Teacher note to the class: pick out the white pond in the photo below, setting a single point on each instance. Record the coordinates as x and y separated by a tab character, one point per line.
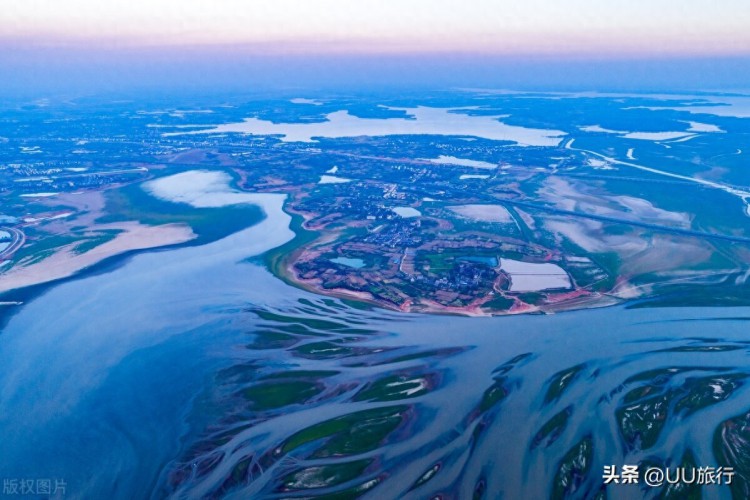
407	212
210	189
332	179
421	121
644	136
302	100
655	136
598	129
349	262
738	107
461	162
38	195
472	176
530	277
598	164
704	127
484	213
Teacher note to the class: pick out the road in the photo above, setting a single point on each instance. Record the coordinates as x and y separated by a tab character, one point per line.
604	218
103	173
17	242
740	192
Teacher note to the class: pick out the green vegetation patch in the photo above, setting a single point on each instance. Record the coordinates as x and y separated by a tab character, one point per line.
731	446
210	224
270	396
560	382
573	470
552	429
641	424
684	490
312	323
41	246
493	396
325	476
499	303
102	237
350	434
395	387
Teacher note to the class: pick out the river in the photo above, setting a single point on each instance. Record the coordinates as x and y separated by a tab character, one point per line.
194	372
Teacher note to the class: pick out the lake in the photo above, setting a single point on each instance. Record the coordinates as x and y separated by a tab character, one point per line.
422	120
193	372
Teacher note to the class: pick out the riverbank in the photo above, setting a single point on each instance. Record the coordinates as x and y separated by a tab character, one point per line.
66	262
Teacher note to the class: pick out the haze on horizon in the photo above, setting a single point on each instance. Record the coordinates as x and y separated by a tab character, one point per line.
582	44
582	27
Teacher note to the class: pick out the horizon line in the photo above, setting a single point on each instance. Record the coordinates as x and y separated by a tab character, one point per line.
365	47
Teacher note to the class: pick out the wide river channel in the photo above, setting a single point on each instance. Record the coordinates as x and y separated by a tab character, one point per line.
194	373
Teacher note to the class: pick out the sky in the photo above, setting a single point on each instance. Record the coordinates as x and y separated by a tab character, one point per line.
122	41
580	27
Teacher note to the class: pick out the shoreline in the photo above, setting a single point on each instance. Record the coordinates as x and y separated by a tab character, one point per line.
433	308
281	265
279	261
283	268
65	263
